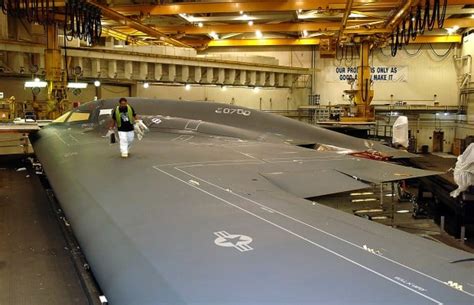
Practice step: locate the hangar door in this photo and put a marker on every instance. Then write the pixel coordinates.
(438, 139)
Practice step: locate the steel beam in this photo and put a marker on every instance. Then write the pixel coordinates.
(438, 39)
(347, 12)
(263, 42)
(124, 20)
(316, 41)
(260, 6)
(250, 6)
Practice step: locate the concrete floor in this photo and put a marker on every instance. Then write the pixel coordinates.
(35, 264)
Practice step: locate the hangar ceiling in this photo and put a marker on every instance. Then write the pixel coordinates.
(212, 23)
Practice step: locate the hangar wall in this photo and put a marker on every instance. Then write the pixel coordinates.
(265, 99)
(466, 125)
(426, 71)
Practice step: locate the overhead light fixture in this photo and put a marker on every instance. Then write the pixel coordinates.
(214, 35)
(403, 211)
(445, 114)
(97, 83)
(146, 85)
(241, 12)
(355, 15)
(36, 83)
(250, 23)
(76, 85)
(200, 24)
(258, 34)
(452, 30)
(472, 16)
(187, 87)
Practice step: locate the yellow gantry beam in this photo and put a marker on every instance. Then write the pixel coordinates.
(263, 42)
(438, 39)
(354, 28)
(315, 41)
(249, 6)
(124, 20)
(261, 6)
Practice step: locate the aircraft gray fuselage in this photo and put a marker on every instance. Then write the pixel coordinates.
(209, 209)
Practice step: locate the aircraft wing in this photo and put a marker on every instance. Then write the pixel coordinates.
(194, 218)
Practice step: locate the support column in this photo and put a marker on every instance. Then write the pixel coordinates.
(230, 76)
(197, 74)
(52, 55)
(128, 69)
(158, 71)
(364, 95)
(252, 78)
(280, 80)
(95, 67)
(3, 26)
(57, 93)
(171, 73)
(221, 76)
(143, 74)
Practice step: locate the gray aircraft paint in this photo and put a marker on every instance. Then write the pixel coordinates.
(208, 210)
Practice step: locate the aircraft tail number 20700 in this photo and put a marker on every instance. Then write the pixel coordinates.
(223, 110)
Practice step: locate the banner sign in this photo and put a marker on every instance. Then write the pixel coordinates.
(378, 74)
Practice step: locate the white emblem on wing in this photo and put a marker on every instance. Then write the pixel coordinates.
(237, 241)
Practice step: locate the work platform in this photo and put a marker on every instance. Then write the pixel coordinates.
(35, 262)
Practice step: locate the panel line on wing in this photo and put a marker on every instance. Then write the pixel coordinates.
(320, 230)
(303, 238)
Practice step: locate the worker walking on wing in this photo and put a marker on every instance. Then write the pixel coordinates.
(124, 118)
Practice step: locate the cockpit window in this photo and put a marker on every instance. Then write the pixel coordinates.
(78, 117)
(62, 118)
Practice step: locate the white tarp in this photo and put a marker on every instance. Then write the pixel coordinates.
(464, 171)
(400, 131)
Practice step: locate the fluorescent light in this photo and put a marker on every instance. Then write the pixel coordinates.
(36, 84)
(146, 85)
(378, 217)
(403, 211)
(361, 194)
(258, 34)
(97, 83)
(354, 15)
(187, 87)
(368, 211)
(364, 200)
(452, 30)
(76, 85)
(250, 23)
